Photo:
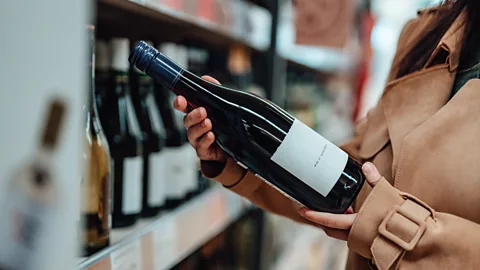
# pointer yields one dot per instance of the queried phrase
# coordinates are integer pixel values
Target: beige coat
(425, 213)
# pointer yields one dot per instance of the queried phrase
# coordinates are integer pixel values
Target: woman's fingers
(210, 79)
(194, 117)
(334, 221)
(180, 104)
(371, 173)
(203, 146)
(198, 130)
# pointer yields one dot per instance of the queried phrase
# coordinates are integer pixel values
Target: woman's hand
(338, 225)
(199, 129)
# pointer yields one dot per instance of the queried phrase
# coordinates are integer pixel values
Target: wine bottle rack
(163, 242)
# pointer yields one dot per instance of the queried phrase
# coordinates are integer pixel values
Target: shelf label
(164, 243)
(127, 258)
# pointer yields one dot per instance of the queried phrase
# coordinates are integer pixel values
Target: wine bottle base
(150, 211)
(92, 249)
(171, 204)
(123, 221)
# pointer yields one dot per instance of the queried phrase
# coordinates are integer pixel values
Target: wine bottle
(175, 144)
(262, 137)
(120, 123)
(96, 182)
(30, 200)
(154, 159)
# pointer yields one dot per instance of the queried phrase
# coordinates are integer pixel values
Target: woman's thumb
(371, 173)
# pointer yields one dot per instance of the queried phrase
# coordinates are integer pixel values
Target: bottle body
(120, 124)
(127, 153)
(264, 138)
(30, 201)
(96, 189)
(96, 180)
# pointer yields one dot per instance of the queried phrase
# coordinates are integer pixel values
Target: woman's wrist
(227, 172)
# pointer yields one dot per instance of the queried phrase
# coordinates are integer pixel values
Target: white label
(165, 245)
(174, 173)
(311, 158)
(132, 185)
(190, 171)
(157, 179)
(127, 258)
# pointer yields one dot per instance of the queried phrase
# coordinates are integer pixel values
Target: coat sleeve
(396, 230)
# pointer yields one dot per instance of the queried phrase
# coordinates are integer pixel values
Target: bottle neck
(164, 71)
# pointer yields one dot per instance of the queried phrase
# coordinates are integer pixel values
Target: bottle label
(157, 179)
(132, 185)
(174, 173)
(27, 219)
(190, 172)
(311, 158)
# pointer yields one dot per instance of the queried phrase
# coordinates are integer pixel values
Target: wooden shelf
(163, 242)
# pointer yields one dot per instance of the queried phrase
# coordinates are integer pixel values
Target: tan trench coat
(424, 214)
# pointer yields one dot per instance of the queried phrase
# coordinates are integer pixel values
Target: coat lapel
(410, 100)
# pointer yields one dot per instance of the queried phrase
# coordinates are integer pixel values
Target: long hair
(448, 12)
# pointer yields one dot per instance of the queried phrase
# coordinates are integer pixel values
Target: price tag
(216, 210)
(164, 242)
(127, 258)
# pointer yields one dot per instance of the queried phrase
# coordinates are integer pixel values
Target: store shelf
(164, 242)
(159, 20)
(325, 60)
(312, 249)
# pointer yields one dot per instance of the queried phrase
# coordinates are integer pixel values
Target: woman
(420, 149)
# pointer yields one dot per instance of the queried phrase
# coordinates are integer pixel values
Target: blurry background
(325, 61)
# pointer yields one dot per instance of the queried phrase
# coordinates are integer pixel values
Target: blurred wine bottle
(120, 124)
(30, 200)
(96, 180)
(154, 159)
(176, 144)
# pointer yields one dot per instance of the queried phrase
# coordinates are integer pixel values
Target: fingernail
(202, 111)
(302, 211)
(204, 123)
(367, 168)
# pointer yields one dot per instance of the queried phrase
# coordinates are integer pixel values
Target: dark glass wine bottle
(154, 159)
(261, 136)
(96, 181)
(121, 129)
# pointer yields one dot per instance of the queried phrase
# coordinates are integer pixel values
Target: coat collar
(452, 41)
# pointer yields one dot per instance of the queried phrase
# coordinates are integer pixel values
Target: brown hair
(446, 15)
